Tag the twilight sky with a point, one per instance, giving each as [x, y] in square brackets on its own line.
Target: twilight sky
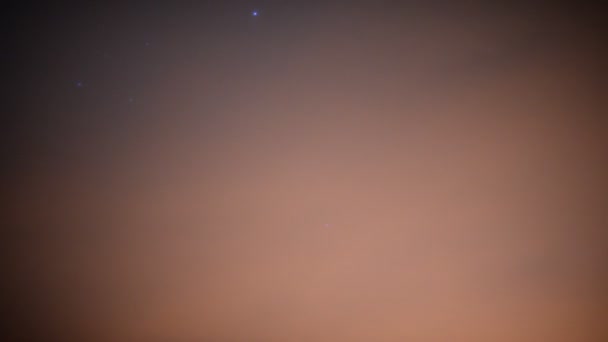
[305, 171]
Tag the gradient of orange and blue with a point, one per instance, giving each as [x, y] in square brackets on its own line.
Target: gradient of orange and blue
[305, 172]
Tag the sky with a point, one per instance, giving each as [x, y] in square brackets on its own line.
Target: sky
[305, 171]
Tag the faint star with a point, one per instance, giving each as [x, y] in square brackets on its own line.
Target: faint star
[79, 84]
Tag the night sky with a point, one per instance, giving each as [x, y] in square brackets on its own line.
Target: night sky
[304, 171]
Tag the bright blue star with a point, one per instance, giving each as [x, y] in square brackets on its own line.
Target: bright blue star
[255, 13]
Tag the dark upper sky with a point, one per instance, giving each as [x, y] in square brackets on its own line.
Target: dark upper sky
[320, 171]
[84, 70]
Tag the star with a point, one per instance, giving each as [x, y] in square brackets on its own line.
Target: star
[79, 84]
[255, 13]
